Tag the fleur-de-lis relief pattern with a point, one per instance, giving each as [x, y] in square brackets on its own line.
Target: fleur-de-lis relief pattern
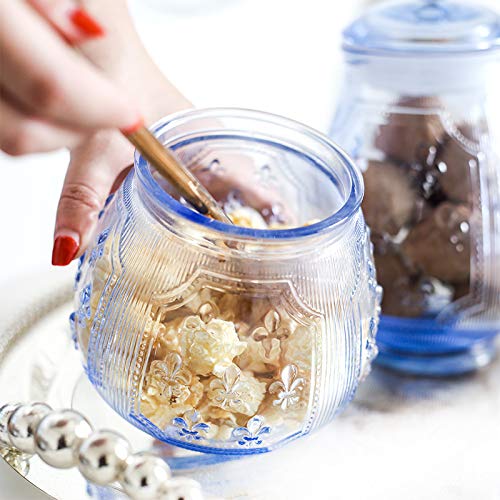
[83, 313]
[253, 434]
[169, 379]
[78, 275]
[274, 328]
[72, 327]
[98, 250]
[287, 389]
[190, 427]
[227, 389]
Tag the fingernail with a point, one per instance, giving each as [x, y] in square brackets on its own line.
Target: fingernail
[86, 23]
[65, 249]
[133, 128]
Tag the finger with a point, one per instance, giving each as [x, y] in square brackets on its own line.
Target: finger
[20, 134]
[92, 172]
[72, 21]
[52, 80]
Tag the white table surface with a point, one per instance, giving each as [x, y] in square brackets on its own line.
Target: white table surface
[401, 437]
[276, 55]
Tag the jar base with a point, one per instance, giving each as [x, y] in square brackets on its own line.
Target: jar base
[422, 347]
[452, 364]
[84, 398]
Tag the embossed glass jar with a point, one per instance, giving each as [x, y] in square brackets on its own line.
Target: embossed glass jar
[229, 339]
[420, 116]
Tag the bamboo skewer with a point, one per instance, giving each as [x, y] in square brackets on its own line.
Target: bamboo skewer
[185, 183]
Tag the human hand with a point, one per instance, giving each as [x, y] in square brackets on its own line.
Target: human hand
[100, 163]
[51, 96]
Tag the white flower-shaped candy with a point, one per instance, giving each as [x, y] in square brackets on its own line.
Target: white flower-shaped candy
[169, 390]
[166, 337]
[216, 415]
[236, 392]
[291, 419]
[242, 310]
[297, 350]
[168, 380]
[201, 296]
[247, 217]
[162, 415]
[208, 347]
[256, 359]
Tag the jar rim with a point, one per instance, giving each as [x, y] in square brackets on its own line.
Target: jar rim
[350, 205]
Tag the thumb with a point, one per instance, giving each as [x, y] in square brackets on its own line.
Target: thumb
[92, 172]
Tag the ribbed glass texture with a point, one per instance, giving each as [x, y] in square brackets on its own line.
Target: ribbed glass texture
[226, 339]
[425, 133]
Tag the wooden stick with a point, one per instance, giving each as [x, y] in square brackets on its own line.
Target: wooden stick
[185, 183]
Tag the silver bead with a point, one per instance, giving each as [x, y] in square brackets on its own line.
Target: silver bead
[23, 423]
[144, 476]
[102, 456]
[5, 413]
[58, 436]
[182, 488]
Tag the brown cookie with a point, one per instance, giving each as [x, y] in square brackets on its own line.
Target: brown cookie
[390, 199]
[454, 161]
[411, 136]
[440, 244]
[404, 294]
[461, 290]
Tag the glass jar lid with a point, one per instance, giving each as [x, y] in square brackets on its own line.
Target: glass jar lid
[425, 27]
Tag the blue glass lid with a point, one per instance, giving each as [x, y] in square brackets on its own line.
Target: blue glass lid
[426, 27]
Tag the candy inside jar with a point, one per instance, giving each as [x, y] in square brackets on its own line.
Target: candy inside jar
[223, 360]
[214, 359]
[223, 338]
[416, 115]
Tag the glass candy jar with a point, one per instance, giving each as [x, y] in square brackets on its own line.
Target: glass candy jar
[231, 339]
[420, 115]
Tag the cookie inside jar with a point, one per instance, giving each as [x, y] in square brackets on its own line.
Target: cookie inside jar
[419, 205]
[223, 362]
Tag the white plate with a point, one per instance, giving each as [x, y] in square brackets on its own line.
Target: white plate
[400, 438]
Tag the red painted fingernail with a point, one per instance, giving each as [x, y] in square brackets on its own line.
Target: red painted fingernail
[133, 128]
[65, 249]
[86, 23]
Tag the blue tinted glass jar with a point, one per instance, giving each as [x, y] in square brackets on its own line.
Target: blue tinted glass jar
[420, 115]
[231, 339]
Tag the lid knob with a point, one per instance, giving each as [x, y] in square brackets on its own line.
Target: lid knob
[432, 11]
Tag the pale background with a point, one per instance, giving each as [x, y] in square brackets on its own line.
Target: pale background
[275, 55]
[280, 56]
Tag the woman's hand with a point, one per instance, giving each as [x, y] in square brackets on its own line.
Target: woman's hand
[99, 164]
[50, 96]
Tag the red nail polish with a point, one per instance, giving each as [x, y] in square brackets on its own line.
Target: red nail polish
[86, 23]
[133, 128]
[65, 249]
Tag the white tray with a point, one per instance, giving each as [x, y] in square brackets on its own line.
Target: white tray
[400, 438]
